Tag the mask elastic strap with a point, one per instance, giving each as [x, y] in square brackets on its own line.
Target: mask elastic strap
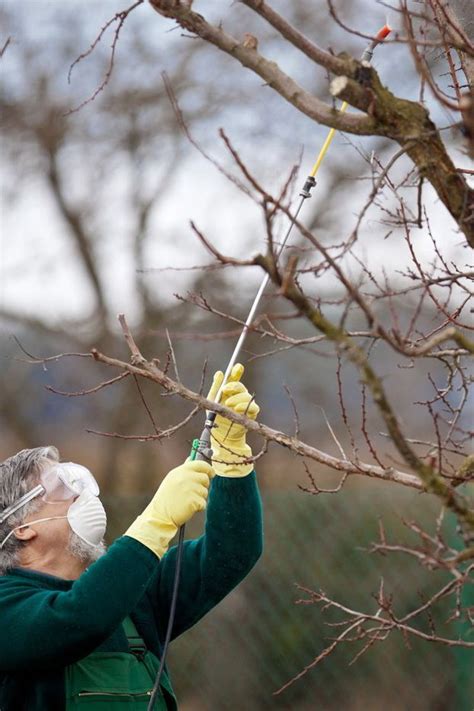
[25, 525]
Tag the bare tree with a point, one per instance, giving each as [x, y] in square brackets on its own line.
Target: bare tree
[412, 321]
[375, 310]
[103, 178]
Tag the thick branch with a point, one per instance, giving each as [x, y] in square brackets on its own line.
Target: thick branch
[270, 72]
[406, 122]
[334, 64]
[409, 123]
[432, 481]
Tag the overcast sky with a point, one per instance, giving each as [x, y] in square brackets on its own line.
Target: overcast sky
[38, 267]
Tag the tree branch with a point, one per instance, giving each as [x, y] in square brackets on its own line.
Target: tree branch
[76, 226]
[269, 71]
[334, 64]
[151, 371]
[406, 122]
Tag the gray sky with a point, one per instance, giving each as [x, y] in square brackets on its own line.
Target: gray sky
[39, 273]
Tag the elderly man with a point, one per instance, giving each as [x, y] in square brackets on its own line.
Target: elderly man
[82, 627]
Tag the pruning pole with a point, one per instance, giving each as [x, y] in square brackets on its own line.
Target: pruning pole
[304, 195]
[201, 448]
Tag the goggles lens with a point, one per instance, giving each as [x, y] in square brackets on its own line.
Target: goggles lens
[67, 481]
[64, 481]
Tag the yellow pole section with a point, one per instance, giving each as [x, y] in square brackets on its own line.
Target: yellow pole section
[326, 144]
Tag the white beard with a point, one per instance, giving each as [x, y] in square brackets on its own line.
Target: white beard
[83, 551]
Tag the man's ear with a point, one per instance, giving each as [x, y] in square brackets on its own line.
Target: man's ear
[25, 534]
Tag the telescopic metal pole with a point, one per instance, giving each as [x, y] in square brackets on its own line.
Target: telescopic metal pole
[201, 448]
[304, 195]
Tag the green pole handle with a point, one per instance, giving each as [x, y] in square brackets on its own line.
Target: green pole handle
[194, 449]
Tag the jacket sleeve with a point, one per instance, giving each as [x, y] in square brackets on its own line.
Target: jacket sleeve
[42, 628]
[215, 563]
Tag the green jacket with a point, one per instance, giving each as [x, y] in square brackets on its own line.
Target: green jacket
[48, 623]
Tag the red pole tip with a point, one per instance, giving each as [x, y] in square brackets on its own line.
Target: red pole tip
[383, 33]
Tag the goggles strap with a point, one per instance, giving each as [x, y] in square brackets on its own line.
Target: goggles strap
[25, 499]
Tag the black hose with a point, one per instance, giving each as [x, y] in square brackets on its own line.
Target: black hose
[202, 451]
[174, 597]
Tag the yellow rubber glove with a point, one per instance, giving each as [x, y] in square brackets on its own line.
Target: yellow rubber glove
[229, 447]
[181, 493]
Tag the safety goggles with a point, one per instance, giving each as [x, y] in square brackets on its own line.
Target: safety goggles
[60, 483]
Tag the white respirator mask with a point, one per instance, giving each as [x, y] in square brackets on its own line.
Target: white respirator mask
[87, 518]
[63, 481]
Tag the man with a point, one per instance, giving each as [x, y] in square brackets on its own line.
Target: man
[82, 627]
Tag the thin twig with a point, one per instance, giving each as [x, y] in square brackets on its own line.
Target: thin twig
[120, 17]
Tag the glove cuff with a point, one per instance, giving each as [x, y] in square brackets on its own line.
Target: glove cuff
[155, 535]
[229, 461]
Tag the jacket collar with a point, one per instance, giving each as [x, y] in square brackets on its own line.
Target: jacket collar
[43, 580]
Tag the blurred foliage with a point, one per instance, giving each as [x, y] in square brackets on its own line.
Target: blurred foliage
[258, 638]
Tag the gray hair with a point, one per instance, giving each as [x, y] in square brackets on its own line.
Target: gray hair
[18, 475]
